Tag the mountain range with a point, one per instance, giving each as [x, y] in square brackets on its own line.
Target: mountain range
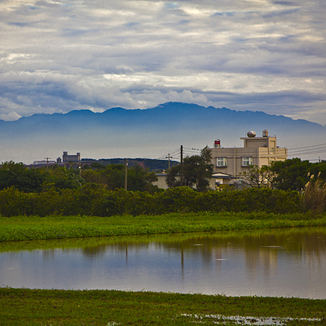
[150, 133]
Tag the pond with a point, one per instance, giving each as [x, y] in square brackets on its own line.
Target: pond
[282, 262]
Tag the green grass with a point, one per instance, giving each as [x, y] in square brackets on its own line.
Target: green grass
[58, 227]
[97, 307]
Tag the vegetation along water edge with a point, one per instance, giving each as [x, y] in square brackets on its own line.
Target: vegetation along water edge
[59, 227]
[108, 307]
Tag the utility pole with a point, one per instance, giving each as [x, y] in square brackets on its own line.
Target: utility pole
[47, 162]
[181, 165]
[169, 164]
[126, 174]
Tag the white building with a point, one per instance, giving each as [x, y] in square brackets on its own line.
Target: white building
[257, 151]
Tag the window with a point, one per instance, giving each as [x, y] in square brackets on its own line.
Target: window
[272, 147]
[247, 161]
[221, 161]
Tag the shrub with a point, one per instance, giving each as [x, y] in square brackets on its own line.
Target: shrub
[314, 198]
[96, 200]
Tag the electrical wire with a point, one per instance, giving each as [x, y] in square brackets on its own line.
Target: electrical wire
[324, 144]
[173, 155]
[306, 150]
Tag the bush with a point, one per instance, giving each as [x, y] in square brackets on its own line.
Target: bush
[96, 200]
[315, 196]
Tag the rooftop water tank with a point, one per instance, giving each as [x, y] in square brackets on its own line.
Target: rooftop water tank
[251, 134]
[217, 143]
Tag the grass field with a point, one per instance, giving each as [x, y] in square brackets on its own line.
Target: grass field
[60, 227]
[57, 307]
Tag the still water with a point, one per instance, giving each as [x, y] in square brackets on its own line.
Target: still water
[287, 263]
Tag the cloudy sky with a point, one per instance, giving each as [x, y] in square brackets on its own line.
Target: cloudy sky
[259, 55]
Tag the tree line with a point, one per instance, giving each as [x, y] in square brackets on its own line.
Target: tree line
[292, 186]
[70, 177]
[196, 172]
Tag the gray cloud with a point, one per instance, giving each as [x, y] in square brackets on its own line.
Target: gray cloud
[57, 56]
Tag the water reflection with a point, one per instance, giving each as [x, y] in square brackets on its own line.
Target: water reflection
[287, 262]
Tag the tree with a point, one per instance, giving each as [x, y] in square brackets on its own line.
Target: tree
[171, 177]
[256, 177]
[291, 174]
[19, 176]
[141, 179]
[113, 177]
[197, 171]
[63, 178]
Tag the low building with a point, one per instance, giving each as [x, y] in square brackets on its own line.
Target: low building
[256, 151]
[44, 163]
[161, 180]
[219, 180]
[70, 158]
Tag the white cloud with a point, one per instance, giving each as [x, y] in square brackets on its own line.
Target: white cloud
[57, 56]
[11, 116]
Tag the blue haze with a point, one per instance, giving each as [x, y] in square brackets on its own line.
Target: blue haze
[150, 133]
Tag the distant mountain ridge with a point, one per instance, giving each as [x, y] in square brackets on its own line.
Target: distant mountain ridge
[151, 133]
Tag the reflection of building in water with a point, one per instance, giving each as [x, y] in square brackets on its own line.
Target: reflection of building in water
[269, 258]
[217, 255]
[265, 258]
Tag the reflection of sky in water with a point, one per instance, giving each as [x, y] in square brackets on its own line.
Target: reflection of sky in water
[218, 266]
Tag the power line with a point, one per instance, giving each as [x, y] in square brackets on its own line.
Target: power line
[192, 149]
[324, 144]
[305, 150]
[175, 153]
[306, 153]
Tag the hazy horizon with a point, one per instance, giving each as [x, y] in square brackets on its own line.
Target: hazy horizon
[154, 133]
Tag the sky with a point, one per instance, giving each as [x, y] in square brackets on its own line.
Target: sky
[257, 55]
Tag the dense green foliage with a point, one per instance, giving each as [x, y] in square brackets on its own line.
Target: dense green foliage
[39, 179]
[107, 308]
[98, 191]
[68, 177]
[292, 174]
[113, 177]
[12, 174]
[96, 200]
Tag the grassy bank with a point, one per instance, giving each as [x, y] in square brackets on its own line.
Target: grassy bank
[58, 227]
[56, 307]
